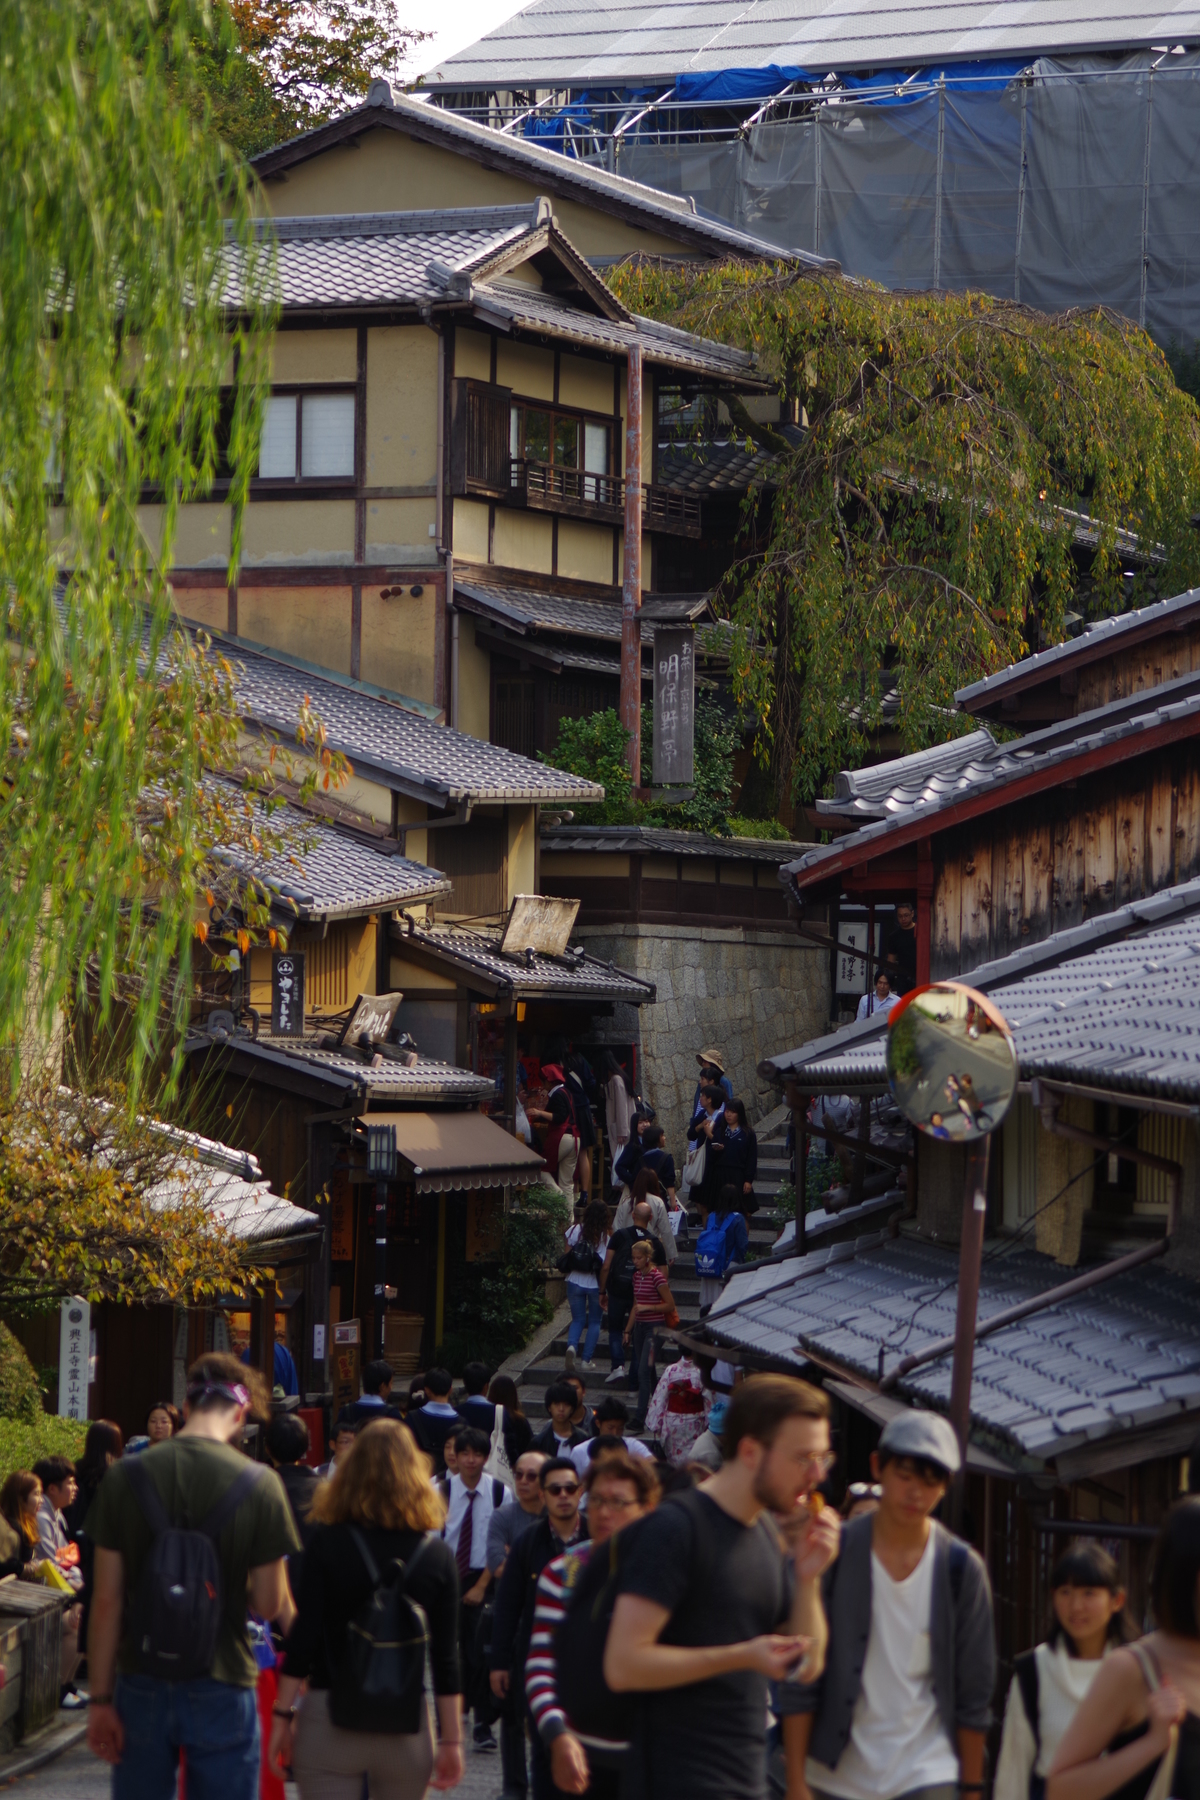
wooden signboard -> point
(370, 1019)
(538, 922)
(674, 694)
(287, 994)
(347, 1358)
(485, 1226)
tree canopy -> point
(922, 530)
(595, 748)
(291, 64)
(128, 390)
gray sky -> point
(455, 24)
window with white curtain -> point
(307, 437)
(327, 435)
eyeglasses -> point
(556, 1493)
(821, 1459)
(608, 1503)
(864, 1490)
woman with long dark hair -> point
(381, 1501)
(1141, 1717)
(587, 1244)
(739, 1158)
(102, 1447)
(1087, 1620)
(20, 1498)
(618, 1106)
(518, 1432)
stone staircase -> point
(549, 1363)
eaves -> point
(872, 842)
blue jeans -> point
(585, 1309)
(214, 1722)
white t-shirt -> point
(896, 1738)
(577, 1278)
(583, 1462)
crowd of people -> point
(640, 1622)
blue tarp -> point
(730, 85)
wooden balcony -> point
(580, 494)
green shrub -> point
(20, 1395)
(496, 1307)
(770, 829)
(23, 1443)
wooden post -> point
(631, 594)
(439, 1303)
(970, 1256)
(510, 1069)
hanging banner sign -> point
(74, 1357)
(674, 696)
(287, 994)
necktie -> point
(466, 1535)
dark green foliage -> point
(20, 1396)
(595, 748)
(497, 1307)
(922, 532)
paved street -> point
(78, 1776)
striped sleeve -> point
(541, 1665)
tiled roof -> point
(329, 873)
(535, 610)
(458, 257)
(1122, 1355)
(711, 468)
(930, 782)
(1102, 639)
(406, 750)
(231, 1188)
(646, 840)
(674, 216)
(887, 787)
(535, 310)
(574, 976)
(369, 258)
(1113, 1004)
(391, 1082)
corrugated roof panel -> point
(561, 43)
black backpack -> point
(589, 1703)
(176, 1611)
(379, 1680)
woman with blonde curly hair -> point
(380, 1498)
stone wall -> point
(751, 993)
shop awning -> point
(444, 1151)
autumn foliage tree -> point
(919, 531)
(292, 64)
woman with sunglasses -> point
(861, 1498)
(620, 1489)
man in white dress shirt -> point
(470, 1503)
(881, 1001)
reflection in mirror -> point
(952, 1068)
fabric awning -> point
(447, 1150)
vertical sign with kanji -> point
(674, 683)
(287, 994)
(74, 1348)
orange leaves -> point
(201, 930)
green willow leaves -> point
(924, 527)
(126, 391)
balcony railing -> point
(581, 494)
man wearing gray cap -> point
(903, 1707)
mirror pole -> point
(974, 1218)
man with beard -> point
(711, 1606)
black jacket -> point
(738, 1161)
(431, 1431)
(516, 1595)
(549, 1443)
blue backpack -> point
(713, 1253)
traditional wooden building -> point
(999, 843)
(1086, 1384)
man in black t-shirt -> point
(711, 1606)
(900, 950)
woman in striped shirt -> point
(651, 1300)
(619, 1490)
